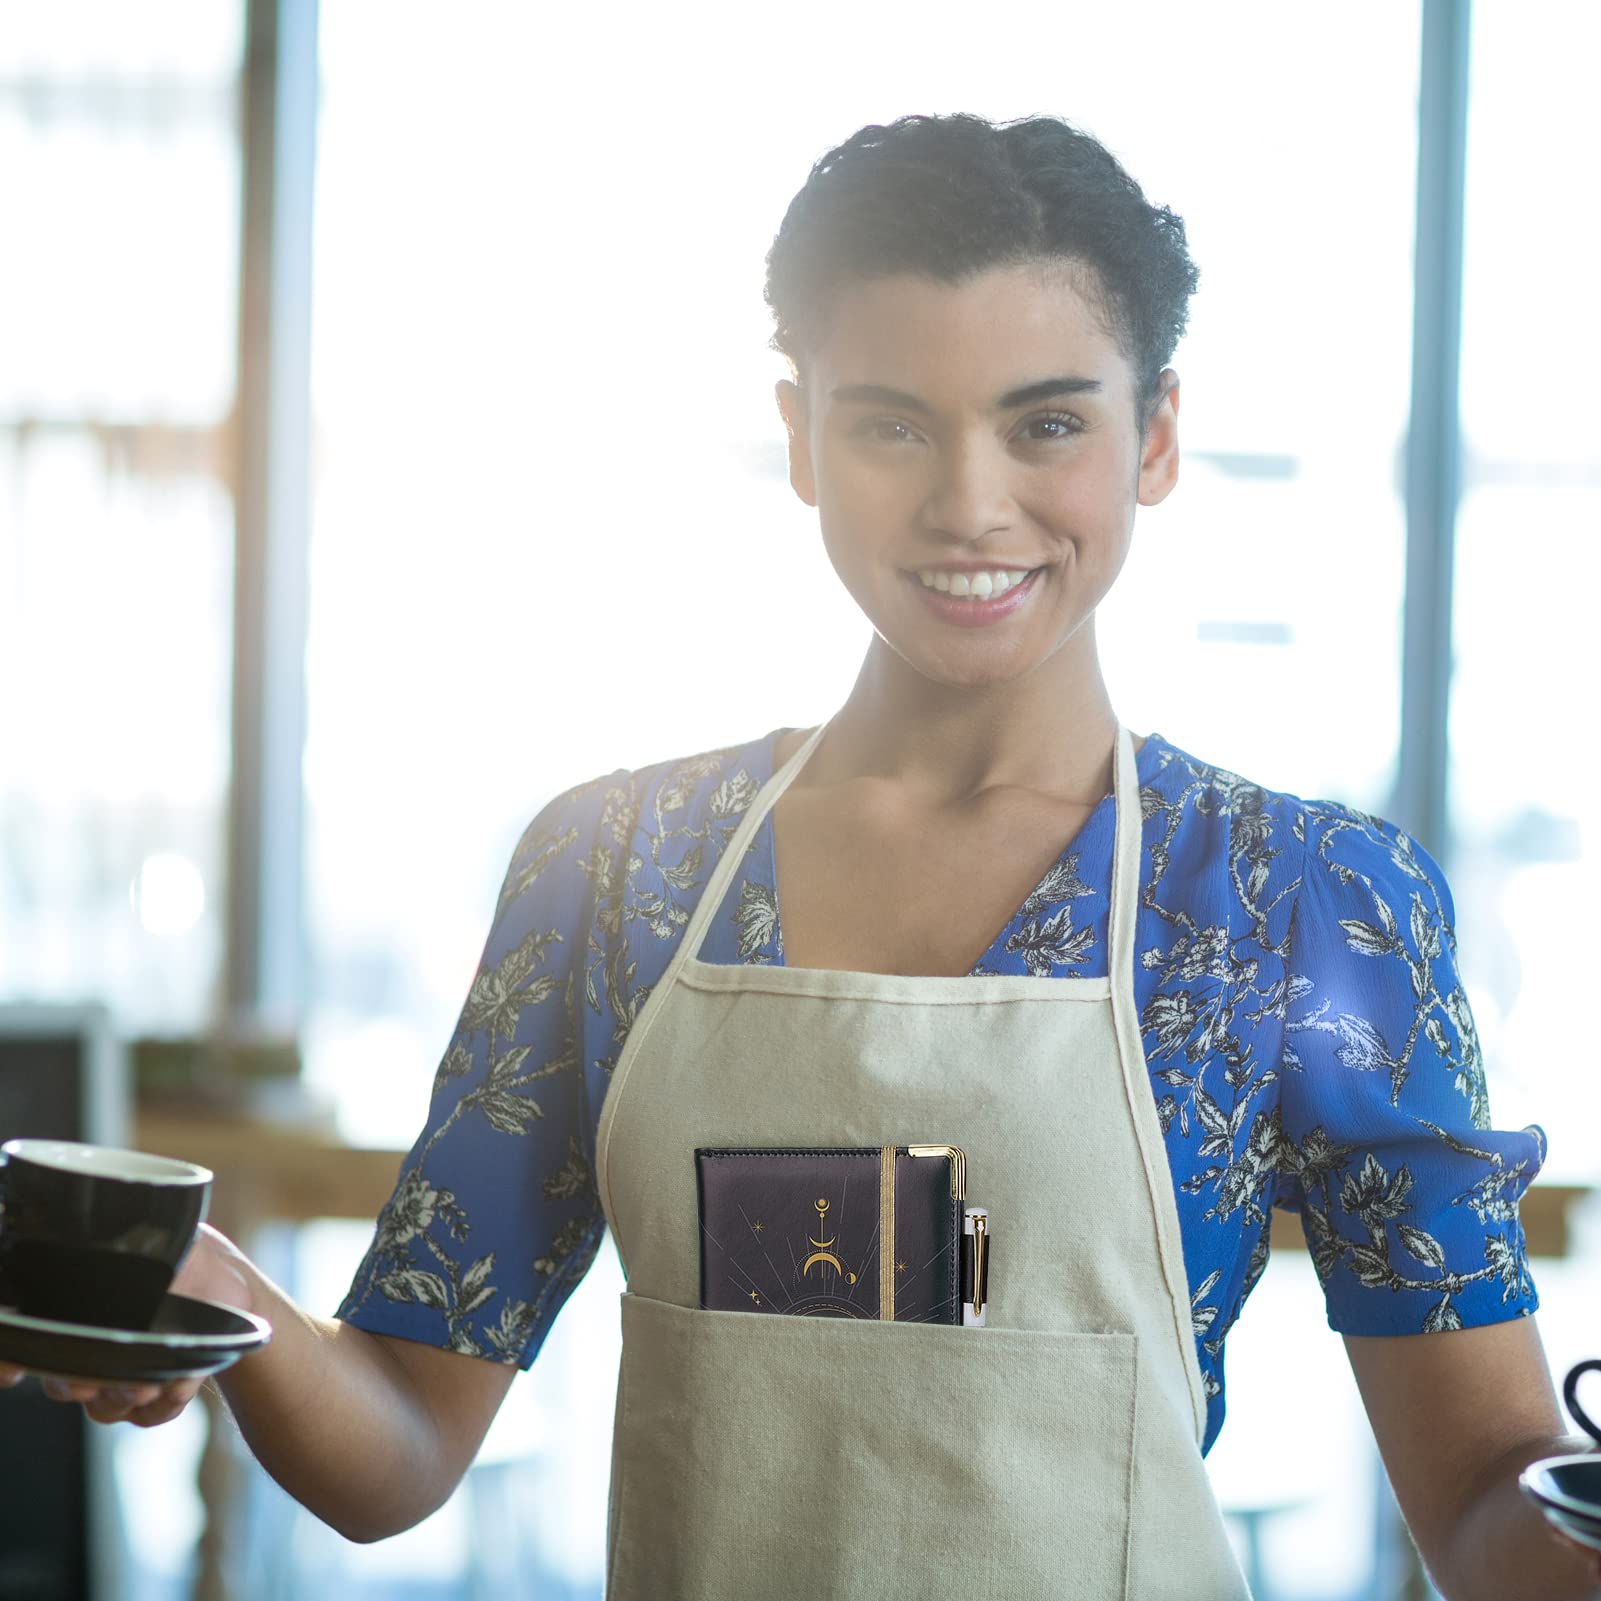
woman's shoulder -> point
(677, 791)
(1345, 837)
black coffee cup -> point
(92, 1234)
(1570, 1394)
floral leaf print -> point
(1442, 1316)
(1422, 1245)
(1061, 883)
(733, 796)
(412, 1284)
(756, 916)
(1323, 1245)
(1051, 943)
(1510, 1264)
(545, 850)
(509, 1114)
(1364, 1048)
(569, 1237)
(1315, 1159)
(1219, 1135)
(512, 1333)
(1425, 930)
(1202, 1317)
(685, 778)
(1374, 1196)
(456, 1063)
(572, 1178)
(500, 993)
(1195, 954)
(1172, 1018)
(409, 1212)
(474, 1289)
(685, 873)
(1366, 939)
(1244, 1182)
(1470, 1076)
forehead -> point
(978, 337)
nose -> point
(969, 494)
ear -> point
(1159, 456)
(792, 407)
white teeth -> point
(975, 586)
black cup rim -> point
(142, 1167)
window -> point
(119, 174)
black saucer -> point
(188, 1339)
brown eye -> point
(1057, 425)
(883, 431)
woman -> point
(1205, 998)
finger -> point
(61, 1387)
(68, 1387)
(10, 1375)
(167, 1405)
(107, 1407)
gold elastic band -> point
(886, 1236)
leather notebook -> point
(798, 1230)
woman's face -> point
(976, 437)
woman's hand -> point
(1589, 1553)
(215, 1269)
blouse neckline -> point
(761, 848)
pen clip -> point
(980, 1261)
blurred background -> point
(384, 387)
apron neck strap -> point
(734, 854)
(1125, 859)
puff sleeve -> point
(1407, 1195)
(495, 1216)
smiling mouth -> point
(989, 584)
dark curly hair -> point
(949, 196)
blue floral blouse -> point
(1309, 1043)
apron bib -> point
(1054, 1452)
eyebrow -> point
(1027, 395)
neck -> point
(1051, 731)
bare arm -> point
(1457, 1415)
(369, 1432)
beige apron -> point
(1054, 1453)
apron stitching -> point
(1128, 1499)
(765, 980)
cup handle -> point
(1570, 1394)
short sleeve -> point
(1407, 1195)
(495, 1216)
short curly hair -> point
(949, 196)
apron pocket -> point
(762, 1455)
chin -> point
(973, 670)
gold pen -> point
(975, 1227)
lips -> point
(975, 610)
